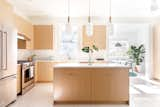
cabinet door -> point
(18, 79)
(120, 85)
(110, 85)
(44, 71)
(43, 37)
(101, 82)
(82, 84)
(72, 85)
(98, 38)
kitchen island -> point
(96, 83)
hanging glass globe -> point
(89, 29)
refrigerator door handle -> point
(4, 51)
(1, 49)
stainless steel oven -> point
(27, 76)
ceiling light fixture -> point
(110, 24)
(154, 5)
(89, 26)
(68, 27)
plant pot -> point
(138, 68)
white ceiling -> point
(79, 8)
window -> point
(69, 43)
(127, 34)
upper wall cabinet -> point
(98, 38)
(24, 27)
(22, 41)
(9, 18)
(43, 37)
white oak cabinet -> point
(43, 37)
(91, 85)
(71, 85)
(18, 78)
(44, 71)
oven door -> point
(27, 77)
(31, 75)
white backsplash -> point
(44, 54)
(23, 54)
(52, 55)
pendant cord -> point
(89, 17)
(110, 17)
(68, 11)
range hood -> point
(22, 37)
(22, 41)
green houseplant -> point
(32, 57)
(90, 50)
(136, 53)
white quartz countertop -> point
(86, 65)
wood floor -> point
(142, 94)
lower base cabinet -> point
(18, 79)
(71, 85)
(110, 85)
(44, 71)
(87, 85)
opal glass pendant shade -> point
(89, 29)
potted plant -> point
(136, 53)
(32, 57)
(90, 50)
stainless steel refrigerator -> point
(8, 65)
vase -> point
(138, 68)
(90, 58)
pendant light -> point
(110, 24)
(68, 27)
(154, 5)
(89, 26)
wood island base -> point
(87, 85)
(90, 102)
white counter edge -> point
(78, 65)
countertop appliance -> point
(27, 74)
(8, 65)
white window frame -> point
(58, 33)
